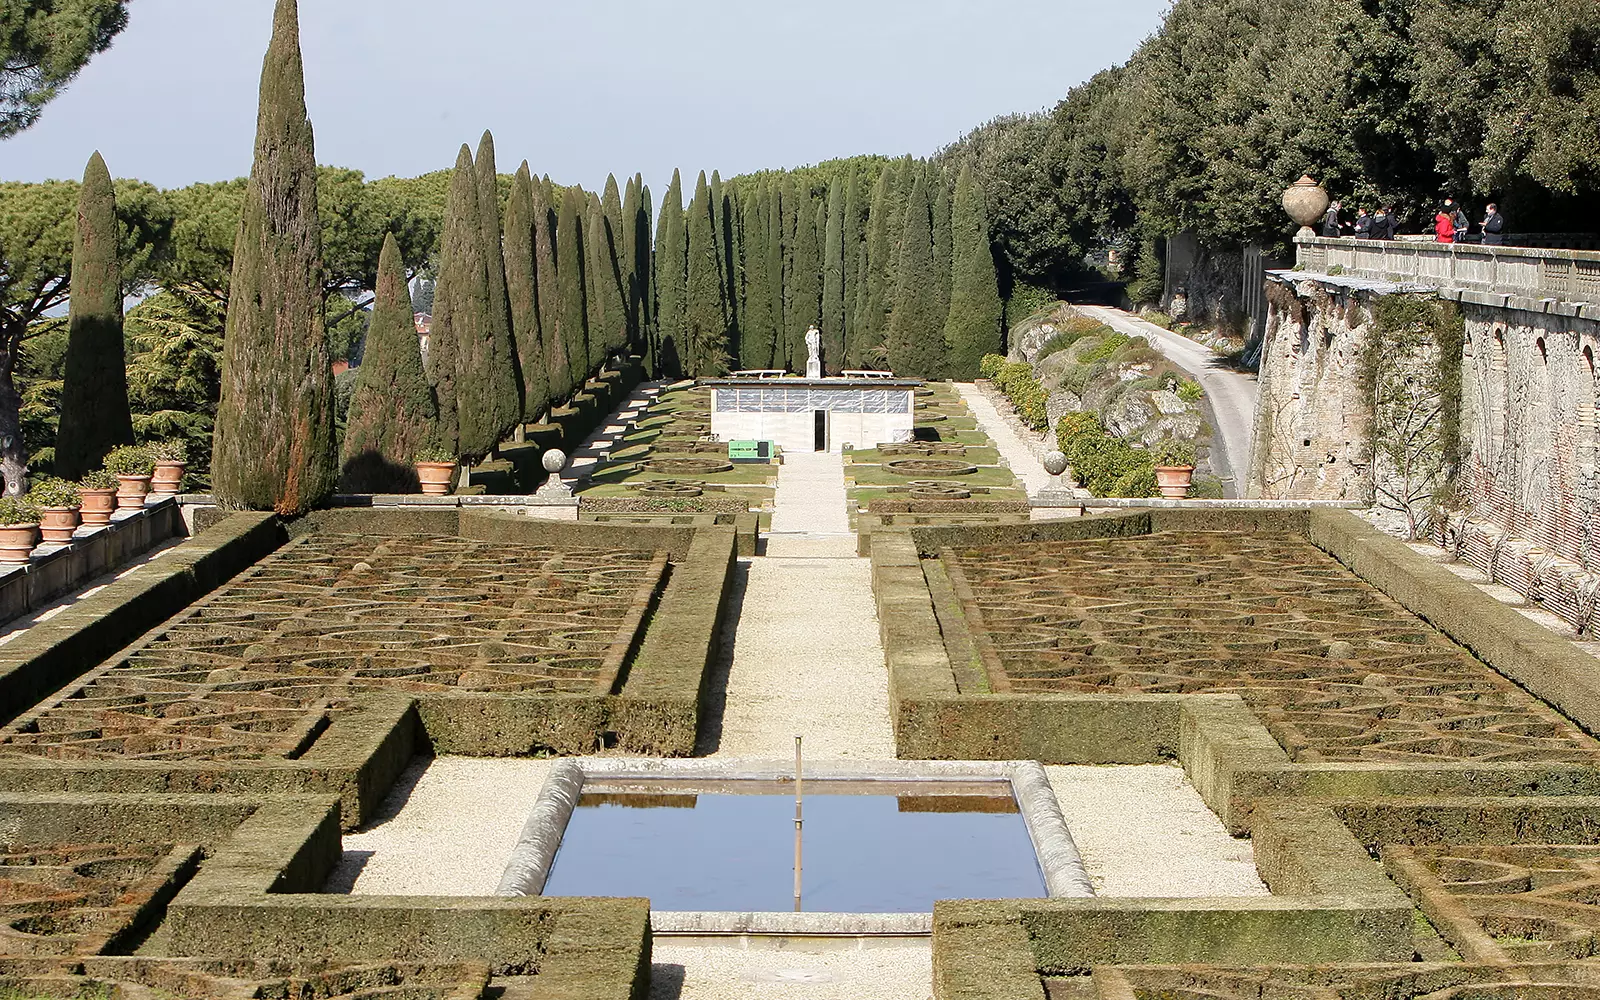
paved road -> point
(1231, 394)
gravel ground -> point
(1018, 454)
(811, 497)
(1143, 831)
(902, 972)
(446, 829)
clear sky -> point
(578, 88)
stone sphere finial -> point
(555, 460)
(1305, 200)
(1055, 463)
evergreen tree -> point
(833, 282)
(557, 369)
(876, 293)
(805, 280)
(973, 327)
(722, 226)
(274, 440)
(854, 258)
(522, 288)
(645, 250)
(94, 388)
(608, 328)
(494, 252)
(776, 274)
(611, 203)
(569, 273)
(939, 191)
(916, 343)
(672, 262)
(705, 306)
(392, 416)
(857, 349)
(628, 261)
(757, 329)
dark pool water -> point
(862, 853)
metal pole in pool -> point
(798, 822)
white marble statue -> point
(814, 346)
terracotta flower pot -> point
(58, 523)
(132, 491)
(97, 505)
(16, 542)
(168, 478)
(1174, 480)
(435, 477)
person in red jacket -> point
(1444, 228)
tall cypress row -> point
(608, 327)
(776, 274)
(460, 298)
(569, 275)
(939, 193)
(853, 236)
(805, 299)
(973, 326)
(856, 347)
(274, 439)
(392, 417)
(672, 262)
(833, 281)
(757, 328)
(94, 389)
(522, 289)
(494, 252)
(705, 305)
(916, 342)
(557, 369)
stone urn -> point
(1306, 201)
(436, 477)
(1174, 480)
(168, 477)
(16, 543)
(98, 505)
(58, 523)
(131, 491)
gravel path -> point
(1231, 394)
(900, 972)
(1143, 831)
(446, 829)
(1021, 456)
(596, 451)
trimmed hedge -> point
(1015, 379)
(1104, 464)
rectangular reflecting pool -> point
(867, 847)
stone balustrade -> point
(1564, 282)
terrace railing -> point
(1486, 274)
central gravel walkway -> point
(806, 654)
(1020, 455)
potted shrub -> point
(19, 529)
(436, 469)
(97, 494)
(1174, 467)
(133, 466)
(58, 501)
(172, 458)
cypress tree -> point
(274, 439)
(94, 390)
(854, 235)
(569, 273)
(608, 328)
(522, 289)
(805, 278)
(833, 282)
(672, 261)
(628, 260)
(392, 416)
(916, 343)
(705, 306)
(876, 292)
(857, 347)
(776, 274)
(973, 327)
(647, 280)
(757, 329)
(557, 369)
(494, 252)
(939, 191)
(722, 226)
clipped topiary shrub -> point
(990, 365)
(1105, 465)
